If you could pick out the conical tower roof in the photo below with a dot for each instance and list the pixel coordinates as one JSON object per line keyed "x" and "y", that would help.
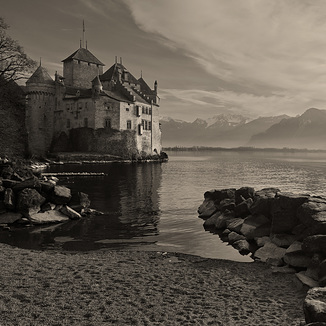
{"x": 40, "y": 76}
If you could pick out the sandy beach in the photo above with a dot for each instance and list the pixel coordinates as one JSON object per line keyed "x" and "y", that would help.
{"x": 113, "y": 287}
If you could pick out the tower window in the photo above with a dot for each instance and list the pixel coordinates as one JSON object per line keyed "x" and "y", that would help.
{"x": 107, "y": 123}
{"x": 128, "y": 124}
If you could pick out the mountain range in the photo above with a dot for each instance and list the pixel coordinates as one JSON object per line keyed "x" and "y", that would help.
{"x": 229, "y": 130}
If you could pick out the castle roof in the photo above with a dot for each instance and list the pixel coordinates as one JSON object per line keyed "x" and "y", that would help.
{"x": 84, "y": 55}
{"x": 40, "y": 76}
{"x": 144, "y": 87}
{"x": 113, "y": 73}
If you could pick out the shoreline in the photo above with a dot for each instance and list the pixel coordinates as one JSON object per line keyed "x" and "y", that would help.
{"x": 124, "y": 287}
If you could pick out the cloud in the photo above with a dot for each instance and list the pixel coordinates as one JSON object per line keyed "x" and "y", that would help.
{"x": 276, "y": 48}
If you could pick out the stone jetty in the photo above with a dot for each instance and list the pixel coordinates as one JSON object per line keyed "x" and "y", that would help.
{"x": 29, "y": 198}
{"x": 282, "y": 229}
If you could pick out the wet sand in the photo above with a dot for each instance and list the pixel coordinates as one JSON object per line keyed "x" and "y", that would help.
{"x": 112, "y": 287}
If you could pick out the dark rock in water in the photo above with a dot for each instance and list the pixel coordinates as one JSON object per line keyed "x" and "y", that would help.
{"x": 242, "y": 209}
{"x": 32, "y": 183}
{"x": 52, "y": 216}
{"x": 72, "y": 214}
{"x": 61, "y": 195}
{"x": 9, "y": 199}
{"x": 223, "y": 219}
{"x": 283, "y": 211}
{"x": 255, "y": 226}
{"x": 29, "y": 202}
{"x": 218, "y": 195}
{"x": 233, "y": 237}
{"x": 262, "y": 202}
{"x": 314, "y": 244}
{"x": 10, "y": 217}
{"x": 296, "y": 257}
{"x": 242, "y": 246}
{"x": 314, "y": 305}
{"x": 243, "y": 194}
{"x": 226, "y": 204}
{"x": 211, "y": 221}
{"x": 235, "y": 224}
{"x": 79, "y": 201}
{"x": 207, "y": 208}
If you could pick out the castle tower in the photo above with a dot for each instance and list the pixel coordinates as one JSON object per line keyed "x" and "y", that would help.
{"x": 80, "y": 68}
{"x": 39, "y": 111}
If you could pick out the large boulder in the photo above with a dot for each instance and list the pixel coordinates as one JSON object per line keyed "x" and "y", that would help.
{"x": 283, "y": 209}
{"x": 294, "y": 256}
{"x": 207, "y": 208}
{"x": 233, "y": 237}
{"x": 270, "y": 251}
{"x": 235, "y": 224}
{"x": 262, "y": 201}
{"x": 10, "y": 217}
{"x": 68, "y": 211}
{"x": 33, "y": 183}
{"x": 283, "y": 240}
{"x": 61, "y": 195}
{"x": 218, "y": 195}
{"x": 255, "y": 226}
{"x": 242, "y": 246}
{"x": 211, "y": 221}
{"x": 79, "y": 201}
{"x": 29, "y": 202}
{"x": 314, "y": 305}
{"x": 226, "y": 204}
{"x": 313, "y": 215}
{"x": 53, "y": 216}
{"x": 306, "y": 280}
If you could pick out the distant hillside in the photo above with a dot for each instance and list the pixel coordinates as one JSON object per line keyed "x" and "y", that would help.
{"x": 221, "y": 130}
{"x": 305, "y": 131}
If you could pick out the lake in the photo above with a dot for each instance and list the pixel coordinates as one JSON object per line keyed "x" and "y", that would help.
{"x": 153, "y": 206}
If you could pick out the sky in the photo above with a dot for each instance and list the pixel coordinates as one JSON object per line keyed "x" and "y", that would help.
{"x": 249, "y": 57}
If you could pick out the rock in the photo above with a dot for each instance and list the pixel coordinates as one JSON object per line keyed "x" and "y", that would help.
{"x": 233, "y": 237}
{"x": 52, "y": 216}
{"x": 262, "y": 241}
{"x": 242, "y": 246}
{"x": 46, "y": 186}
{"x": 7, "y": 183}
{"x": 322, "y": 269}
{"x": 207, "y": 209}
{"x": 269, "y": 250}
{"x": 61, "y": 195}
{"x": 306, "y": 280}
{"x": 313, "y": 215}
{"x": 226, "y": 204}
{"x": 79, "y": 201}
{"x": 294, "y": 256}
{"x": 9, "y": 199}
{"x": 218, "y": 195}
{"x": 223, "y": 218}
{"x": 283, "y": 209}
{"x": 314, "y": 244}
{"x": 242, "y": 210}
{"x": 10, "y": 217}
{"x": 68, "y": 211}
{"x": 32, "y": 183}
{"x": 283, "y": 270}
{"x": 255, "y": 226}
{"x": 211, "y": 221}
{"x": 7, "y": 172}
{"x": 47, "y": 207}
{"x": 262, "y": 202}
{"x": 235, "y": 224}
{"x": 243, "y": 194}
{"x": 29, "y": 202}
{"x": 283, "y": 240}
{"x": 314, "y": 305}
{"x": 226, "y": 232}
{"x": 2, "y": 189}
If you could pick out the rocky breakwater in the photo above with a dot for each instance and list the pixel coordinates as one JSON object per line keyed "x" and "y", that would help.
{"x": 285, "y": 230}
{"x": 26, "y": 198}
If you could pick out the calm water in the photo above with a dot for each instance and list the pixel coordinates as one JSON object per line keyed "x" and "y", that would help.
{"x": 153, "y": 206}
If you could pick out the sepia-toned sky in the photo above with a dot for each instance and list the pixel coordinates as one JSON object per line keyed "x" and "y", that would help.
{"x": 252, "y": 57}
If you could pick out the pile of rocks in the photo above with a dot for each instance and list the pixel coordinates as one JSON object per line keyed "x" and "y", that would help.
{"x": 285, "y": 230}
{"x": 26, "y": 198}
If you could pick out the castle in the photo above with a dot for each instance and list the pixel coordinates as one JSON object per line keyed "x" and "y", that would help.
{"x": 86, "y": 110}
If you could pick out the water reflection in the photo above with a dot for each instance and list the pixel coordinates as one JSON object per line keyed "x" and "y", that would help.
{"x": 128, "y": 196}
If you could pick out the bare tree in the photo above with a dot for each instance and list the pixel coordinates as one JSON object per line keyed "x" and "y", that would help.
{"x": 14, "y": 63}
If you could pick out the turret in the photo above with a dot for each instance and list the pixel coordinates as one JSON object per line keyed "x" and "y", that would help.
{"x": 97, "y": 86}
{"x": 155, "y": 86}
